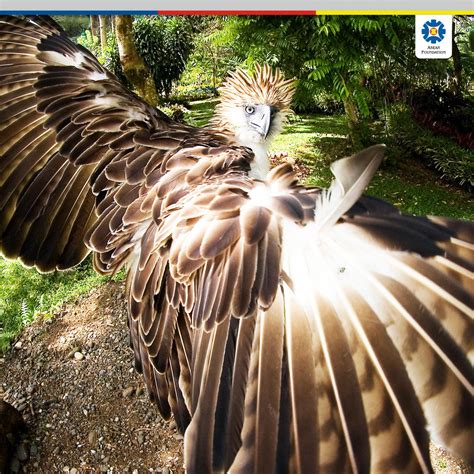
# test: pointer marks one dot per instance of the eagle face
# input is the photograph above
(253, 124)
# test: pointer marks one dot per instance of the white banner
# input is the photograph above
(434, 36)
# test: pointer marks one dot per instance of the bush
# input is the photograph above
(73, 25)
(455, 163)
(164, 43)
(309, 99)
(178, 112)
(447, 113)
(185, 93)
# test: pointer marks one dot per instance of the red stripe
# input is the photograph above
(237, 12)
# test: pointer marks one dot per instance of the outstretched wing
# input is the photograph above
(295, 329)
(63, 120)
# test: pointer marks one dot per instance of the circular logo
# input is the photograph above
(433, 31)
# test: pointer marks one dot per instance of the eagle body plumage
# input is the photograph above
(286, 328)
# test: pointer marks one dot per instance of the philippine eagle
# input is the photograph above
(287, 329)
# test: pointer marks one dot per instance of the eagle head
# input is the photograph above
(254, 106)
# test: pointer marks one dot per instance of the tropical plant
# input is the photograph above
(366, 62)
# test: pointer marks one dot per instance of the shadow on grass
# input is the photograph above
(202, 110)
(319, 124)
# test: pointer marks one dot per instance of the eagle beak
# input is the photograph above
(262, 120)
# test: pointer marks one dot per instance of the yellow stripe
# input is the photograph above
(394, 12)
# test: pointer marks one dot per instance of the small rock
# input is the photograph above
(21, 452)
(56, 450)
(15, 465)
(78, 355)
(18, 345)
(165, 470)
(139, 391)
(21, 407)
(33, 449)
(92, 437)
(103, 468)
(140, 438)
(66, 469)
(178, 436)
(73, 470)
(128, 392)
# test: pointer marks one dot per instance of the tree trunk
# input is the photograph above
(457, 65)
(95, 26)
(358, 130)
(103, 32)
(351, 111)
(133, 66)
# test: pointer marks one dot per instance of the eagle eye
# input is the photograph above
(249, 109)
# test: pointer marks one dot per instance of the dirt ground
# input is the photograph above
(86, 408)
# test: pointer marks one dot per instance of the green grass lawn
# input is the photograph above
(314, 140)
(25, 293)
(318, 140)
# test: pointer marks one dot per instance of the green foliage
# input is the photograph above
(178, 112)
(211, 60)
(455, 163)
(325, 52)
(91, 42)
(317, 140)
(310, 98)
